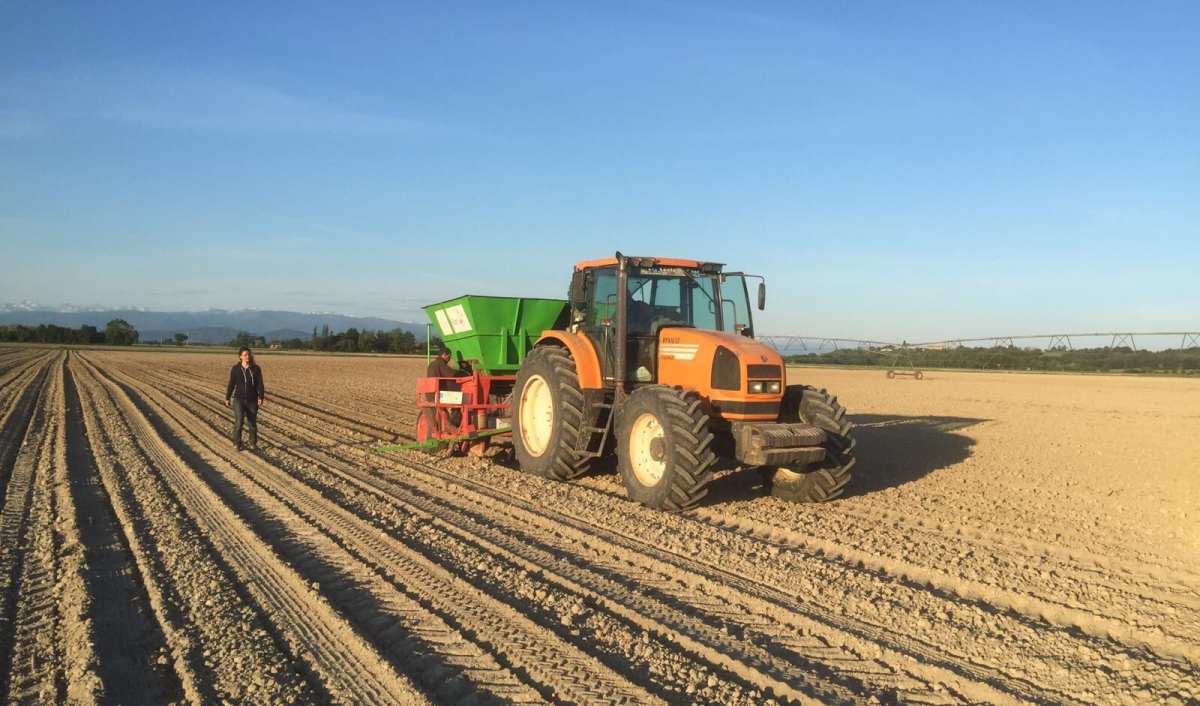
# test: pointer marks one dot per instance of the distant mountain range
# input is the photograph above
(212, 326)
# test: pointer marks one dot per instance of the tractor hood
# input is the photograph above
(743, 378)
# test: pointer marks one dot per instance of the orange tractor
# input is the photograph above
(655, 358)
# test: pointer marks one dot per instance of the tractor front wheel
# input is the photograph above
(826, 479)
(663, 447)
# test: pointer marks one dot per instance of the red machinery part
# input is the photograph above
(482, 396)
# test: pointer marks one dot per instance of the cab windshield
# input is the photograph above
(665, 296)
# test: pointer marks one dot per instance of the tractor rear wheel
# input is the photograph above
(550, 415)
(826, 479)
(663, 447)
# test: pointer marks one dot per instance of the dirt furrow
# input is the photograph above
(16, 373)
(640, 613)
(977, 549)
(1089, 554)
(1089, 550)
(1104, 584)
(874, 673)
(21, 442)
(15, 423)
(935, 612)
(134, 662)
(52, 657)
(31, 626)
(404, 625)
(575, 677)
(1161, 622)
(350, 669)
(283, 394)
(935, 626)
(966, 611)
(220, 646)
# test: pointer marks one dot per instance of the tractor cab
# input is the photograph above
(659, 295)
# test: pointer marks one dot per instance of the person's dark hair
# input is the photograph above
(246, 349)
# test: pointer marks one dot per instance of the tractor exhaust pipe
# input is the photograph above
(622, 333)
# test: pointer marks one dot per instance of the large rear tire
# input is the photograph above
(663, 447)
(550, 414)
(826, 479)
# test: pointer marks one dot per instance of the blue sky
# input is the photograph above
(916, 170)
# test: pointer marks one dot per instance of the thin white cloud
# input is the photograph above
(194, 102)
(168, 100)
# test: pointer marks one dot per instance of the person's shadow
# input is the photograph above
(891, 450)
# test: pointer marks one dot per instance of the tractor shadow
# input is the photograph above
(892, 451)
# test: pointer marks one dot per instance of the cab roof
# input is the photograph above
(643, 261)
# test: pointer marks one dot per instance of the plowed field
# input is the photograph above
(1007, 539)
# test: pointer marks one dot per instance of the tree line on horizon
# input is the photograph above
(351, 340)
(117, 332)
(1110, 360)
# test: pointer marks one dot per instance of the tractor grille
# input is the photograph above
(772, 372)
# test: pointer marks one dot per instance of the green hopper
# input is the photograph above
(493, 333)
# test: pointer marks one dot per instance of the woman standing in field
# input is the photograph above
(246, 388)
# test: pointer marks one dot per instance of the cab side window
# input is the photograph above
(603, 306)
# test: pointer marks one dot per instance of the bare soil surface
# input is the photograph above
(1007, 539)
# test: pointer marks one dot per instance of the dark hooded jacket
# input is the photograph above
(245, 383)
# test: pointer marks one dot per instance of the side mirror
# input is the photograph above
(762, 296)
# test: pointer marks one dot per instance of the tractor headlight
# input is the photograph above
(756, 386)
(773, 387)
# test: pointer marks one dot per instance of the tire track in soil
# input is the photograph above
(525, 568)
(14, 377)
(1157, 621)
(1166, 578)
(1138, 583)
(349, 670)
(933, 653)
(15, 424)
(221, 648)
(566, 673)
(12, 363)
(547, 560)
(1165, 583)
(52, 656)
(1119, 660)
(1141, 595)
(376, 426)
(407, 624)
(567, 586)
(22, 427)
(1093, 552)
(1158, 673)
(133, 655)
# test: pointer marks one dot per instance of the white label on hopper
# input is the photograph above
(458, 318)
(444, 323)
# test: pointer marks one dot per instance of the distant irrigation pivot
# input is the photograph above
(1052, 341)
